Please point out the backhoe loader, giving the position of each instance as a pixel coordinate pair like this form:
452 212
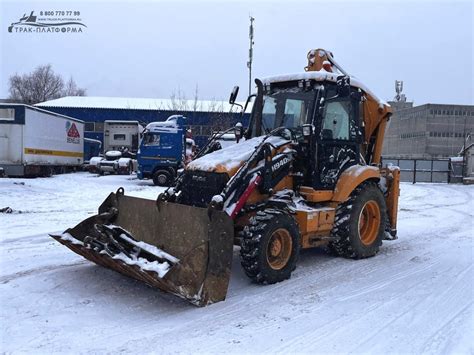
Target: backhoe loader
307 173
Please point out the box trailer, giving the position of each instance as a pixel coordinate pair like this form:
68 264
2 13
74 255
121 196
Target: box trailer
36 142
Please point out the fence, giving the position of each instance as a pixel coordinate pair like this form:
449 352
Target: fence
426 170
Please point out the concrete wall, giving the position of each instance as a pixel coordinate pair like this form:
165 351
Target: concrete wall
428 131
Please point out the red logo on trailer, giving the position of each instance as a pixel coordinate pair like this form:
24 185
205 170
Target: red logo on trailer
72 133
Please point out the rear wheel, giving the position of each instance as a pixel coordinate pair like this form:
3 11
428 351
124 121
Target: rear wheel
360 221
270 247
162 178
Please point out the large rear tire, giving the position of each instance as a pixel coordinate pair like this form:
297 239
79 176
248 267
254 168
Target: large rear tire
270 247
360 221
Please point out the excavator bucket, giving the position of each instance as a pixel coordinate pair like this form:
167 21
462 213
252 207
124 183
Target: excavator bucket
180 249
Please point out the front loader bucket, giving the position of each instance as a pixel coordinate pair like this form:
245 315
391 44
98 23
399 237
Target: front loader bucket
181 249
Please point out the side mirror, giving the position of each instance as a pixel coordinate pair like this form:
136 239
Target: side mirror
233 95
343 86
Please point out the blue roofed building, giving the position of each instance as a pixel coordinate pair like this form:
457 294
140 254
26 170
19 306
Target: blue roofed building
204 116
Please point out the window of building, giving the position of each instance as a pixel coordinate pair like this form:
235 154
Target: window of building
119 137
99 126
7 114
89 127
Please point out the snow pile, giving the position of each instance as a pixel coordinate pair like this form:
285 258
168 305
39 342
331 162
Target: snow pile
232 156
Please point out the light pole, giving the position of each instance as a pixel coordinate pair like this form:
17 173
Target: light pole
249 63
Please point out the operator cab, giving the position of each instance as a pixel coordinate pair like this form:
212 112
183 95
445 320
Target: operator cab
320 112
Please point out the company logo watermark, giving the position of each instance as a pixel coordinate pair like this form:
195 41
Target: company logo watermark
49 22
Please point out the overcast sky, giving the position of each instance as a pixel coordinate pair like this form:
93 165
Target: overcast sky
150 49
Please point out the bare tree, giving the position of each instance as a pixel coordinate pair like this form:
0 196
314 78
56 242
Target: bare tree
40 85
196 103
178 101
72 89
220 119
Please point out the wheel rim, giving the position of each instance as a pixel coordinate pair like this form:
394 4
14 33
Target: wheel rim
279 249
162 179
369 222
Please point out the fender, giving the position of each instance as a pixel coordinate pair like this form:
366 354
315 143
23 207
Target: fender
353 177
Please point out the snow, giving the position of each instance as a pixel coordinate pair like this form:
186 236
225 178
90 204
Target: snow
217 199
114 154
160 268
134 103
321 75
415 296
150 248
164 127
233 155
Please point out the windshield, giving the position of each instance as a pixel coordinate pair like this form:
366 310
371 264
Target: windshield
151 139
287 108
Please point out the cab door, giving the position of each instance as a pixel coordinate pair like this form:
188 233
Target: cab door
338 140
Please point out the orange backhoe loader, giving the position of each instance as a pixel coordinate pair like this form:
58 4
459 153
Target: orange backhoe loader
306 173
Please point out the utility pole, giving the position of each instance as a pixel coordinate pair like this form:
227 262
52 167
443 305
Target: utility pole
249 63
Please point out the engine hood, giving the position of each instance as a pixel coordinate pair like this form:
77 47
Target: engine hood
230 159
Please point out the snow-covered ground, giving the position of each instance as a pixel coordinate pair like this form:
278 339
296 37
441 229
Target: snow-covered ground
416 296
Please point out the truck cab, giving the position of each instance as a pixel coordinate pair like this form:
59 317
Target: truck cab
162 150
120 147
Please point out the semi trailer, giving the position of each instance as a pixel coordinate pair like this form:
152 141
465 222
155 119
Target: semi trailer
35 142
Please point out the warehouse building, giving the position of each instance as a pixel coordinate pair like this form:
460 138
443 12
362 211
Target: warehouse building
427 131
204 117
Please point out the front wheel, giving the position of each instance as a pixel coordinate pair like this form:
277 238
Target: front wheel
359 225
270 247
162 178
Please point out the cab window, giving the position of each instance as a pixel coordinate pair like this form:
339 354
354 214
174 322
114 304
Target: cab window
151 139
336 121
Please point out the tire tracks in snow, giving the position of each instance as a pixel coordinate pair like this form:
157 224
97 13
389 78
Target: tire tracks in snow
20 274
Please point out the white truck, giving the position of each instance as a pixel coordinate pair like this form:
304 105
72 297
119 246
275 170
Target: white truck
36 142
121 141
